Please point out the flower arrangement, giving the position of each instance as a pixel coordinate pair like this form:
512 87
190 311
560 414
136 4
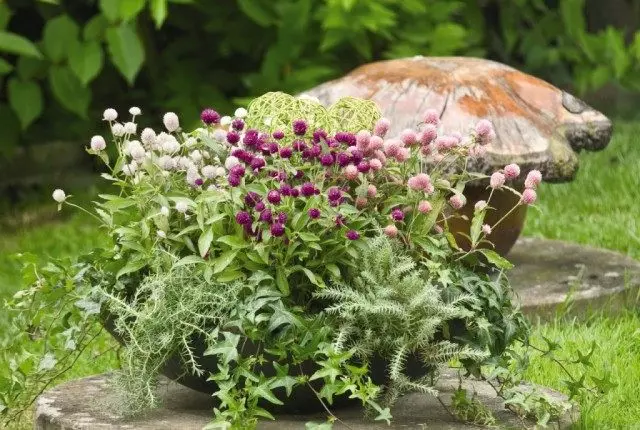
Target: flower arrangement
288 256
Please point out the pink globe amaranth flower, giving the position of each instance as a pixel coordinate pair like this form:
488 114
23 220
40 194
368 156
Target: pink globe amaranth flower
362 139
477 151
233 137
274 197
424 207
486 229
382 127
429 134
529 196
351 172
326 160
243 218
391 230
403 155
429 189
419 181
511 171
375 164
480 205
497 180
431 116
397 215
378 154
361 202
286 152
276 229
266 216
278 134
372 191
408 137
457 136
314 213
237 124
534 178
427 149
457 201
353 235
392 146
438 229
234 180
485 132
363 167
375 143
299 127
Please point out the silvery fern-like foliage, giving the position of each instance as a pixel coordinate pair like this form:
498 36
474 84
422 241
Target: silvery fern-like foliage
394 310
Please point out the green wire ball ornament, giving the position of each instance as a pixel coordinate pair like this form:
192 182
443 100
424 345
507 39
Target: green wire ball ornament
277 111
353 114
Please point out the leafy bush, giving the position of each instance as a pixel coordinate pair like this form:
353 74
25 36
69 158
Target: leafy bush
187 54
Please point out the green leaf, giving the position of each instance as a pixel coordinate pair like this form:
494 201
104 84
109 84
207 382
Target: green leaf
59 34
130 9
224 260
495 259
10 127
5 15
233 241
29 68
158 11
95 28
228 348
110 9
189 259
132 266
333 269
85 59
281 281
5 67
260 12
572 17
69 91
308 237
204 242
16 44
25 97
476 226
126 51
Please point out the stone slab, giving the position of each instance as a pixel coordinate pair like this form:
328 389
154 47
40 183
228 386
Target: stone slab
84 405
548 271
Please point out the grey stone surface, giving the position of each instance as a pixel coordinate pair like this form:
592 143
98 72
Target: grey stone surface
84 404
548 271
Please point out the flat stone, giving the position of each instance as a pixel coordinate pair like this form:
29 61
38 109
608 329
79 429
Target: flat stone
84 404
547 272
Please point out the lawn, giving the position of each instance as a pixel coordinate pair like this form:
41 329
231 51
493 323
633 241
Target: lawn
599 207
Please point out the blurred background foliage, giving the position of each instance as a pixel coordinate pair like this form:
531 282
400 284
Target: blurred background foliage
62 62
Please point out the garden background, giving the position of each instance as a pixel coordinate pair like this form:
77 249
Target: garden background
63 62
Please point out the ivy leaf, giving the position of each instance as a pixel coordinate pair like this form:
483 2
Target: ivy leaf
126 50
16 44
158 11
204 242
495 259
130 9
263 391
69 91
228 348
85 60
25 97
59 34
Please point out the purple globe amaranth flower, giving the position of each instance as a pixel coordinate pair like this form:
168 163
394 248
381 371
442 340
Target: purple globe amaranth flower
237 170
364 167
295 192
233 137
234 180
397 214
299 174
250 138
198 181
209 116
334 194
356 156
251 199
243 218
260 206
282 218
278 134
299 127
316 150
326 160
353 235
258 163
282 176
332 143
314 213
271 147
307 189
277 229
319 135
339 220
286 152
299 145
343 159
237 124
274 197
285 189
346 138
266 216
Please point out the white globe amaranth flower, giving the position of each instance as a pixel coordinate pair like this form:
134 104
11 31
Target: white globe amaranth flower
130 169
98 143
164 211
110 114
196 156
148 136
135 111
166 162
59 195
130 127
219 135
209 172
240 112
170 144
225 121
206 155
138 153
171 121
182 206
231 161
117 129
220 171
190 141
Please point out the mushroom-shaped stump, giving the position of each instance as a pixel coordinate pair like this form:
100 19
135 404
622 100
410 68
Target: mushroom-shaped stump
538 126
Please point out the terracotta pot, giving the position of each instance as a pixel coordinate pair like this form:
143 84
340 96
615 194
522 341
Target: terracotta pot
505 235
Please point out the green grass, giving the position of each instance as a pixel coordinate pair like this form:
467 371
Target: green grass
599 207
